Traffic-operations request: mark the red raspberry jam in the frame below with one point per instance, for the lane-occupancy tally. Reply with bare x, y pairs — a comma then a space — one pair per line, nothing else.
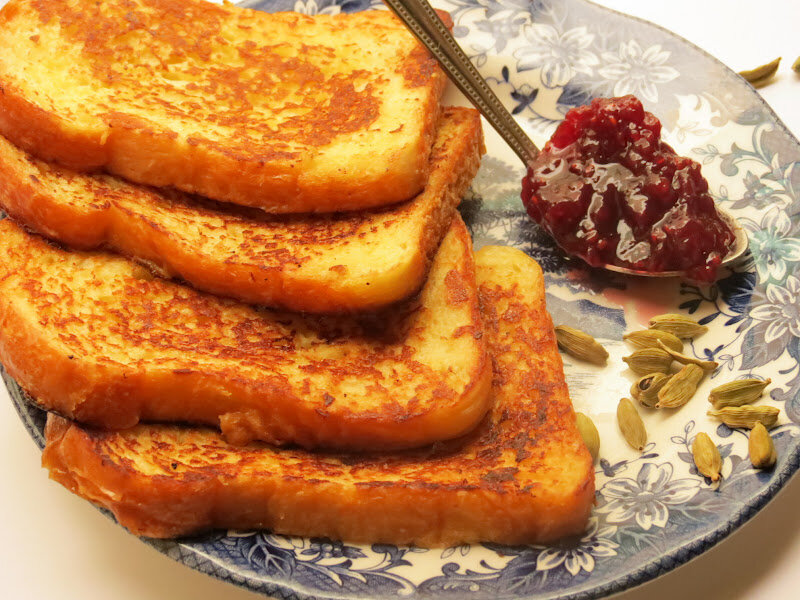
611, 192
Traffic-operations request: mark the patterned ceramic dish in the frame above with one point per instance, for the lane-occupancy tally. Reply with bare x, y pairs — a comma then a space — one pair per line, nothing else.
654, 511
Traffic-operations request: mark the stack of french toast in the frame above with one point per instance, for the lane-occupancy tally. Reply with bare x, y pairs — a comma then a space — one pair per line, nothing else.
234, 273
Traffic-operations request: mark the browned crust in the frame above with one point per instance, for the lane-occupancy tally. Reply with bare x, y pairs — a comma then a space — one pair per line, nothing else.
268, 179
97, 219
230, 178
47, 135
524, 476
106, 393
423, 515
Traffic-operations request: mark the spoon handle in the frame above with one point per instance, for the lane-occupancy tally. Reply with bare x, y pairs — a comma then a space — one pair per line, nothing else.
425, 24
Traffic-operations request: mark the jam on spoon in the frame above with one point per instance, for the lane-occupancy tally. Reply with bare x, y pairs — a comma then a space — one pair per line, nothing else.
608, 190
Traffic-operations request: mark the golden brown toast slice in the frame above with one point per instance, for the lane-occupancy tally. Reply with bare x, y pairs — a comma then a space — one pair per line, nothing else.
315, 263
285, 112
96, 338
523, 476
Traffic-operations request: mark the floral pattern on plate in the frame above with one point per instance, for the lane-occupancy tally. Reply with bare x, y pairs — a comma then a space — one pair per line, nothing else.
654, 510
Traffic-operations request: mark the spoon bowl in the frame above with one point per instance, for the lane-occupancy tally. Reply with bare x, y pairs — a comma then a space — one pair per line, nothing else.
735, 253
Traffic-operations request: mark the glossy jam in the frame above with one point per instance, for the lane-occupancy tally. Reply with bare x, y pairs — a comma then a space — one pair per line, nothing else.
611, 192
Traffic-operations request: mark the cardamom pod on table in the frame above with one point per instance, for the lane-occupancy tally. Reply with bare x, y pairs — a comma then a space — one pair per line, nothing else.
761, 75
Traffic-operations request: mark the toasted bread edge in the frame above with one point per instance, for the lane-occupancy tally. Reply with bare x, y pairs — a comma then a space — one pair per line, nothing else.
135, 149
43, 367
137, 237
162, 507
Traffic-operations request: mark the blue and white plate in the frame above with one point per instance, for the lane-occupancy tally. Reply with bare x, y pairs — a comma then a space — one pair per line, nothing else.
654, 511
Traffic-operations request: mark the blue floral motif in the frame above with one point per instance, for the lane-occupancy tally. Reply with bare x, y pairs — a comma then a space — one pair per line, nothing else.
310, 7
333, 565
758, 194
502, 26
559, 55
637, 71
774, 250
580, 556
777, 314
524, 96
646, 499
736, 291
685, 129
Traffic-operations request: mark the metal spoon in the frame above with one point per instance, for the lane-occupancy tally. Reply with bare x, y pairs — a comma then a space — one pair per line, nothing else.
422, 20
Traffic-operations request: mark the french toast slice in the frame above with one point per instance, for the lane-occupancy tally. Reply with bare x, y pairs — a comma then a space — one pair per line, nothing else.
315, 263
523, 476
285, 112
96, 338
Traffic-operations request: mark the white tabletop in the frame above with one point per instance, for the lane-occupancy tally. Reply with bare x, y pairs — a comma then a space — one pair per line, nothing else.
55, 545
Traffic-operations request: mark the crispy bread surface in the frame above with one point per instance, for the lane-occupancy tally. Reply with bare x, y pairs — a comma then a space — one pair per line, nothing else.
97, 338
523, 476
285, 112
321, 264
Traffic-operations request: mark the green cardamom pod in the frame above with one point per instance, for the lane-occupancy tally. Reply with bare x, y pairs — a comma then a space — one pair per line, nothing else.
762, 448
649, 360
631, 425
708, 365
580, 345
589, 433
760, 75
680, 388
737, 393
649, 338
747, 416
680, 326
645, 389
706, 456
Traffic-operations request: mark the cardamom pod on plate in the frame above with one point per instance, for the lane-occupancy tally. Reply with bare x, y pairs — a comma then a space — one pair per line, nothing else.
680, 388
685, 359
737, 393
589, 433
706, 456
747, 416
649, 360
631, 424
649, 338
762, 448
580, 345
680, 326
646, 388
